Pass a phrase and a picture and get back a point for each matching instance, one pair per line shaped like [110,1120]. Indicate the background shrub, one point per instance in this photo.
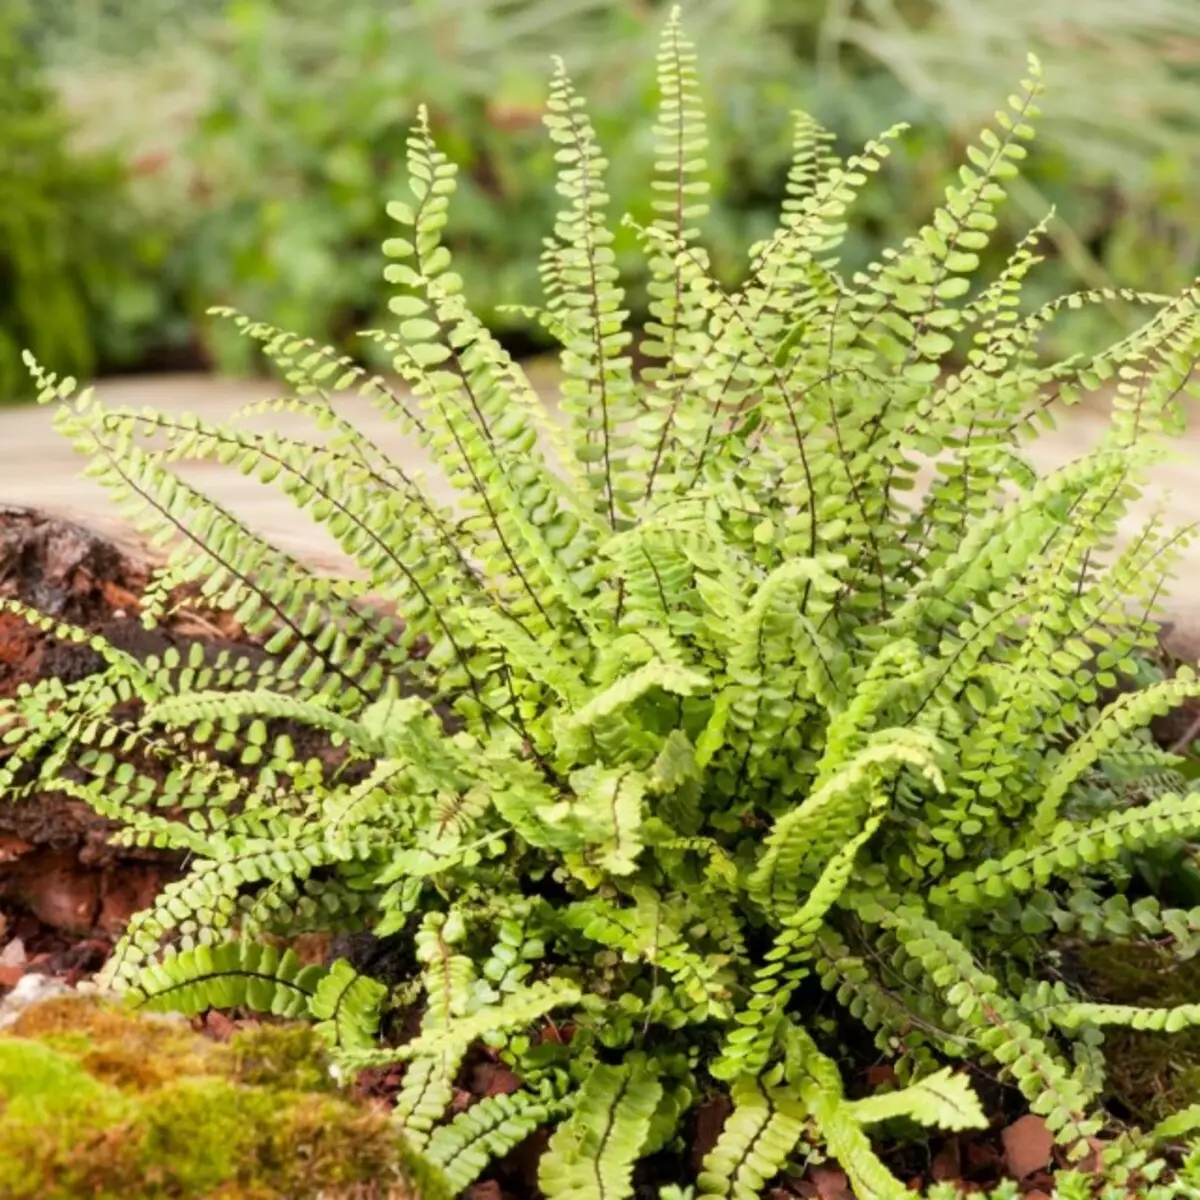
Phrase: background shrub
[264,138]
[71,283]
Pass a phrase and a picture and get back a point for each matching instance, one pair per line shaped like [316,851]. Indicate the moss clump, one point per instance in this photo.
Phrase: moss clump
[96,1101]
[1152,1074]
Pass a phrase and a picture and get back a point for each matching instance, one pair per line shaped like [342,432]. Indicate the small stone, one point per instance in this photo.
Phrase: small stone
[63,897]
[1028,1146]
[13,954]
[29,990]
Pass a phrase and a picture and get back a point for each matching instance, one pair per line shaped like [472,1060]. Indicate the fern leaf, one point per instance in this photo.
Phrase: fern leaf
[755,1142]
[511,1013]
[819,1085]
[347,1005]
[229,975]
[747,1048]
[1068,846]
[800,843]
[486,1131]
[425,1093]
[592,1153]
[1127,712]
[943,1100]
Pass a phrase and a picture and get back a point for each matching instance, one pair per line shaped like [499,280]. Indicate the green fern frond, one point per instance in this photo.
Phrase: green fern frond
[592,1153]
[801,842]
[486,1131]
[819,1087]
[347,1006]
[942,1100]
[756,1140]
[228,975]
[1068,847]
[975,1002]
[425,1094]
[748,1048]
[513,1012]
[1128,712]
[597,387]
[773,656]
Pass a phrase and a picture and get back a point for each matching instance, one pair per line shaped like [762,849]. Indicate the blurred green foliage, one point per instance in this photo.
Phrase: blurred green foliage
[302,142]
[73,269]
[265,136]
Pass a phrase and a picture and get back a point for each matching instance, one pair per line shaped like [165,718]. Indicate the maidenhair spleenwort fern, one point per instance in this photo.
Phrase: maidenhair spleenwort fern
[698,707]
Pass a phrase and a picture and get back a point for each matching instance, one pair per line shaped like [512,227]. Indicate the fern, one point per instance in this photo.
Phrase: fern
[463,1147]
[592,1153]
[692,707]
[819,1086]
[762,1130]
[346,1005]
[229,975]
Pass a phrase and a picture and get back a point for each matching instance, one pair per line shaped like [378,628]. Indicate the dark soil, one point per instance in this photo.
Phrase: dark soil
[65,890]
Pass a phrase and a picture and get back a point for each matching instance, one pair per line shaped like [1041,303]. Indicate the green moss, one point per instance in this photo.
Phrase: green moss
[96,1101]
[1152,1074]
[283,1055]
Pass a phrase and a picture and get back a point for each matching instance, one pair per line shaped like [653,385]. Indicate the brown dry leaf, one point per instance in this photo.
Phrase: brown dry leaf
[947,1163]
[217,1025]
[312,948]
[832,1183]
[882,1075]
[494,1079]
[120,599]
[1028,1146]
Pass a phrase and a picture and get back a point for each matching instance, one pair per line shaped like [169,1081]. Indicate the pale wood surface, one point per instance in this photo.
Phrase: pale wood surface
[37,467]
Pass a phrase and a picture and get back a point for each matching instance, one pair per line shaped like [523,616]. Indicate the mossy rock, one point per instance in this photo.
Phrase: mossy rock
[97,1101]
